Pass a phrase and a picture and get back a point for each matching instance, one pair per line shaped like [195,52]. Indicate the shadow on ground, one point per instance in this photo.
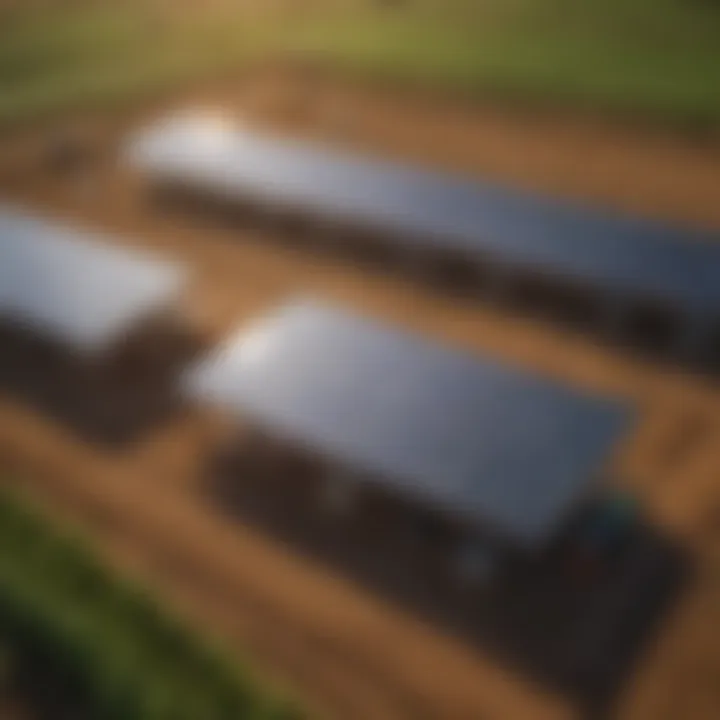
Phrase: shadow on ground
[111,400]
[580,635]
[650,330]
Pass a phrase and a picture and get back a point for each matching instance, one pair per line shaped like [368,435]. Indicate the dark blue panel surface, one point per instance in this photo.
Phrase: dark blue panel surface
[616,254]
[489,444]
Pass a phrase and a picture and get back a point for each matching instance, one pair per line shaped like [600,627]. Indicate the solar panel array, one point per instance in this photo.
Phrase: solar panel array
[76,286]
[497,447]
[485,443]
[619,257]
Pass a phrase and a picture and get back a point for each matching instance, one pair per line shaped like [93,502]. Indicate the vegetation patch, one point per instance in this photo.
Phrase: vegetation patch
[85,642]
[660,59]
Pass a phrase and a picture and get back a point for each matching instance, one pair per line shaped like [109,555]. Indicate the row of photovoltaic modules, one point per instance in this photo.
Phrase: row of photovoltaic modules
[492,446]
[73,285]
[461,433]
[623,261]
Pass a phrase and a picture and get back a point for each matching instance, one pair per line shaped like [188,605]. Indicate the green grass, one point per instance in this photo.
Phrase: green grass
[103,53]
[660,59]
[105,647]
[616,55]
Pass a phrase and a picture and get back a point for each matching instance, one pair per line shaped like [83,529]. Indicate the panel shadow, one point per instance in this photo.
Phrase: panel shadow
[577,627]
[113,400]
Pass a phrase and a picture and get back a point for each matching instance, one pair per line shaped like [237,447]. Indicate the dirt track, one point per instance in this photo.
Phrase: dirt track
[349,653]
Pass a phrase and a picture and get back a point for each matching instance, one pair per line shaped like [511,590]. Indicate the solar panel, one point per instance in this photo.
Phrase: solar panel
[618,255]
[73,284]
[473,438]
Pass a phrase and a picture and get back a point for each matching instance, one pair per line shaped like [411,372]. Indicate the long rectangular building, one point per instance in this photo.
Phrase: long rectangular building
[491,447]
[632,267]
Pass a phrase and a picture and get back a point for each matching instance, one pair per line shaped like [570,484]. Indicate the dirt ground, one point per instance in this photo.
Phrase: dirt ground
[346,651]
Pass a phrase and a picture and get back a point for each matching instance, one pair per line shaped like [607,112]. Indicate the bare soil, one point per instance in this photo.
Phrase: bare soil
[347,651]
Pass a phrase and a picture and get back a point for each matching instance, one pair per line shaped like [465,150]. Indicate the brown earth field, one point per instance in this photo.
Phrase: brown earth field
[345,650]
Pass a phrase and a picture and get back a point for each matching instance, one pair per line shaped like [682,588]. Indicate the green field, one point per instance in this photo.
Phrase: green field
[660,59]
[77,639]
